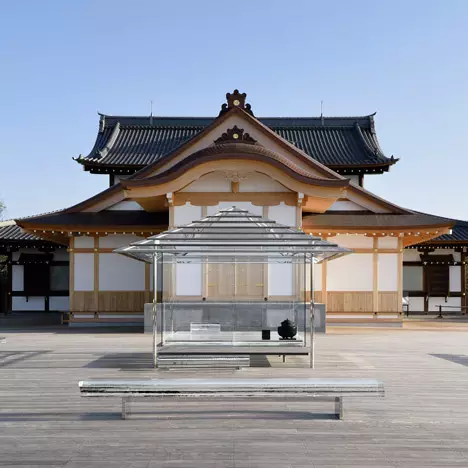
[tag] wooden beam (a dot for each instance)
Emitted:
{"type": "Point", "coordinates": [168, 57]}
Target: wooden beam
{"type": "Point", "coordinates": [373, 250]}
{"type": "Point", "coordinates": [94, 250]}
{"type": "Point", "coordinates": [375, 275]}
{"type": "Point", "coordinates": [256, 198]}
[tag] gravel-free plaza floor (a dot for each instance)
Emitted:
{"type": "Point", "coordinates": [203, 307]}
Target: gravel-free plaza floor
{"type": "Point", "coordinates": [422, 421]}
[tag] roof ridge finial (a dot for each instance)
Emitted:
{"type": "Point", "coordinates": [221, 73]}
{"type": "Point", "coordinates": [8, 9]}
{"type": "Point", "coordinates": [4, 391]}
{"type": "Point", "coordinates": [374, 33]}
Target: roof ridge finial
{"type": "Point", "coordinates": [321, 113]}
{"type": "Point", "coordinates": [236, 99]}
{"type": "Point", "coordinates": [151, 112]}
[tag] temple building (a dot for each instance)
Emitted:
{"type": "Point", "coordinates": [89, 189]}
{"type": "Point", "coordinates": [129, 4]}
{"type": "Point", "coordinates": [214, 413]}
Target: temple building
{"type": "Point", "coordinates": [308, 173]}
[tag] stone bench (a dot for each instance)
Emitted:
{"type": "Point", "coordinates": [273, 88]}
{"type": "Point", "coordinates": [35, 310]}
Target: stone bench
{"type": "Point", "coordinates": [187, 361]}
{"type": "Point", "coordinates": [293, 389]}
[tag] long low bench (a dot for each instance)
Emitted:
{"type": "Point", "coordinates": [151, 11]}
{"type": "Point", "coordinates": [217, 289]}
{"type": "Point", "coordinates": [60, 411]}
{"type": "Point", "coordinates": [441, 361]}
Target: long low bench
{"type": "Point", "coordinates": [196, 361]}
{"type": "Point", "coordinates": [295, 389]}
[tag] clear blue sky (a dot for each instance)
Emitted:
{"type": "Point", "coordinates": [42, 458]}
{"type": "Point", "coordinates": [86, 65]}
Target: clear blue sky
{"type": "Point", "coordinates": [61, 61]}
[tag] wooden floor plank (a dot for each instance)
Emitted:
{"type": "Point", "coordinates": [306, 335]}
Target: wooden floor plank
{"type": "Point", "coordinates": [422, 422]}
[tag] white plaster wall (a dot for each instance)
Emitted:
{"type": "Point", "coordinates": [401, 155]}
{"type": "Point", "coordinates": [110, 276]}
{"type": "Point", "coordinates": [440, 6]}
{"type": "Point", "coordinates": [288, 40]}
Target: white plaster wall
{"type": "Point", "coordinates": [18, 277]}
{"type": "Point", "coordinates": [84, 272]}
{"type": "Point", "coordinates": [416, 304]}
{"type": "Point", "coordinates": [113, 241]}
{"type": "Point", "coordinates": [258, 210]}
{"type": "Point", "coordinates": [353, 241]}
{"type": "Point", "coordinates": [33, 303]}
{"type": "Point", "coordinates": [119, 273]}
{"type": "Point", "coordinates": [345, 205]}
{"type": "Point", "coordinates": [411, 255]}
{"type": "Point", "coordinates": [59, 303]}
{"type": "Point", "coordinates": [283, 214]}
{"type": "Point", "coordinates": [185, 214]}
{"type": "Point", "coordinates": [434, 302]}
{"type": "Point", "coordinates": [61, 255]}
{"type": "Point", "coordinates": [388, 272]}
{"type": "Point", "coordinates": [317, 277]}
{"type": "Point", "coordinates": [212, 182]}
{"type": "Point", "coordinates": [455, 278]}
{"type": "Point", "coordinates": [388, 242]}
{"type": "Point", "coordinates": [188, 279]}
{"type": "Point", "coordinates": [280, 279]}
{"type": "Point", "coordinates": [84, 242]}
{"type": "Point", "coordinates": [126, 205]}
{"type": "Point", "coordinates": [257, 182]}
{"type": "Point", "coordinates": [352, 272]}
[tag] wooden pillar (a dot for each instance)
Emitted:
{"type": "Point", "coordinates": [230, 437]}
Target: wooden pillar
{"type": "Point", "coordinates": [400, 275]}
{"type": "Point", "coordinates": [71, 287]}
{"type": "Point", "coordinates": [375, 275]}
{"type": "Point", "coordinates": [300, 198]}
{"type": "Point", "coordinates": [96, 274]}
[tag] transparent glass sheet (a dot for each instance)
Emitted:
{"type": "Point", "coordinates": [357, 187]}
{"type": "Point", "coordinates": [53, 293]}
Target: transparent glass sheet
{"type": "Point", "coordinates": [234, 304]}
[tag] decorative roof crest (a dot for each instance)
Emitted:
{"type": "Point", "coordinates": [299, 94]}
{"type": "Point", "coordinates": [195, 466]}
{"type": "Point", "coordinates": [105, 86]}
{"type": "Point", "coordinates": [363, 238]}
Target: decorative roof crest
{"type": "Point", "coordinates": [235, 135]}
{"type": "Point", "coordinates": [236, 99]}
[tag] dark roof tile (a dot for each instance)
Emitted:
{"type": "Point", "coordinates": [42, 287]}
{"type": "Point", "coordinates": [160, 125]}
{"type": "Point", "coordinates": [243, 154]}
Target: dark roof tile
{"type": "Point", "coordinates": [138, 141]}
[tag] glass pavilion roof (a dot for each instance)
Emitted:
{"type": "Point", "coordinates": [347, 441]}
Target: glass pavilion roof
{"type": "Point", "coordinates": [233, 234]}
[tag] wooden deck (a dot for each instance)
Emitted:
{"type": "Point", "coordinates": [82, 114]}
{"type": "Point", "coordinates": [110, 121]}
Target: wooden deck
{"type": "Point", "coordinates": [422, 422]}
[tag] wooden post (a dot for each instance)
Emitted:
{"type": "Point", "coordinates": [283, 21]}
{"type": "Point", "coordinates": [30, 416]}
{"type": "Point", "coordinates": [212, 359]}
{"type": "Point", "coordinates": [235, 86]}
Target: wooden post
{"type": "Point", "coordinates": [400, 276]}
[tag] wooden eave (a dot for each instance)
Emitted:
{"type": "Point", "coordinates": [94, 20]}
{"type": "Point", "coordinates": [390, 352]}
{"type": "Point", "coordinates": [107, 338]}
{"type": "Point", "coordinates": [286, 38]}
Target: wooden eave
{"type": "Point", "coordinates": [250, 154]}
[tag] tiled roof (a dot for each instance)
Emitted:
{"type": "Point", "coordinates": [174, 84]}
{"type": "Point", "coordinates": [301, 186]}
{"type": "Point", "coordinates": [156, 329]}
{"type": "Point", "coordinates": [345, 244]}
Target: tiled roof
{"type": "Point", "coordinates": [459, 233]}
{"type": "Point", "coordinates": [134, 142]}
{"type": "Point", "coordinates": [12, 234]}
{"type": "Point", "coordinates": [10, 231]}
